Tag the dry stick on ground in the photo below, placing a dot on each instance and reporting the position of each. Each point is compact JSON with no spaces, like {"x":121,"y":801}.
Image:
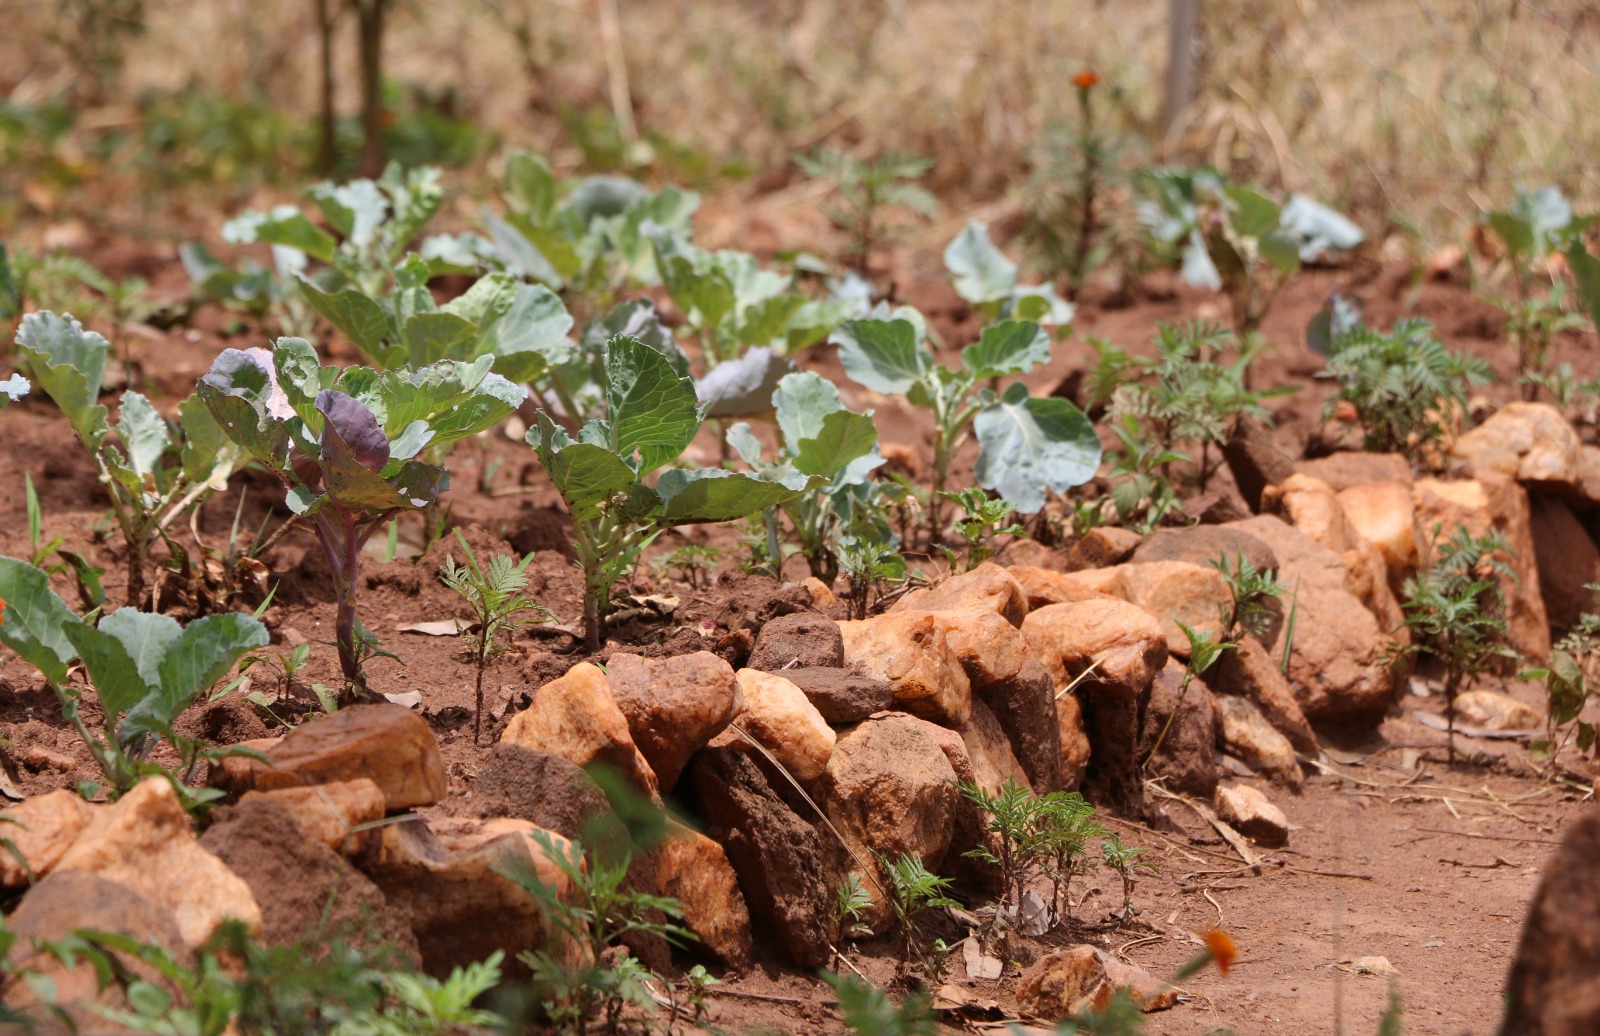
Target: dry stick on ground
{"x":1205,"y":813}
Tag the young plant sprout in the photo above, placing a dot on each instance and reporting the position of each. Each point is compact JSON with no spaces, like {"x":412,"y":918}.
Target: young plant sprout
{"x":342,"y":444}
{"x":984,"y":518}
{"x":494,"y":593}
{"x":1125,"y":861}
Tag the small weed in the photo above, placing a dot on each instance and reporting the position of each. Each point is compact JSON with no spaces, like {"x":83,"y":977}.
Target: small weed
{"x":1257,"y":597}
{"x":693,"y":563}
{"x":984,"y":518}
{"x":876,"y":195}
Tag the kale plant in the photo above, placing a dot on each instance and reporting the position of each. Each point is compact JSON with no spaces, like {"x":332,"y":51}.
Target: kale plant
{"x":1026,"y":444}
{"x":652,"y":414}
{"x":989,"y":282}
{"x":343,"y":443}
{"x":145,"y":669}
{"x":151,"y":474}
{"x":1538,"y":225}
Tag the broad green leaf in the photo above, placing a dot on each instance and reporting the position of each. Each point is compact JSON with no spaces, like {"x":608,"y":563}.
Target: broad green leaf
{"x":769,"y":320}
{"x":1280,"y":249}
{"x":1009,"y":347}
{"x":651,"y":409}
{"x":636,"y":318}
{"x":203,"y":654}
{"x":586,"y":475}
{"x":519,"y":255}
{"x":143,"y":432}
{"x":1027,"y":445}
{"x":361,"y":319}
{"x":10,"y":289}
{"x":208,"y":456}
{"x":284,"y":225}
{"x":530,"y":185}
{"x":981,"y":272}
{"x":111,"y":669}
{"x":455,"y":399}
{"x":145,"y":636}
{"x":604,"y":196}
{"x":35,"y":620}
{"x":1251,"y":213}
{"x":702,"y":291}
{"x":67,"y":363}
{"x":1586,"y":273}
{"x":843,"y":439}
{"x":486,"y":301}
{"x":802,"y":402}
{"x":1316,"y":228}
{"x":414,"y":197}
{"x":241,"y":391}
{"x":1041,"y":304}
{"x":745,"y":444}
{"x":719,"y":495}
{"x":431,"y":337}
{"x":1514,"y":231}
{"x":13,"y":389}
{"x":743,"y":386}
{"x":532,"y":336}
{"x":356,"y":209}
{"x":883,"y":355}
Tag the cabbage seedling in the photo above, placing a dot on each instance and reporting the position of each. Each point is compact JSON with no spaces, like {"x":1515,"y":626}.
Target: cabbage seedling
{"x":1026,"y":444}
{"x":651,"y":416}
{"x":343,"y":443}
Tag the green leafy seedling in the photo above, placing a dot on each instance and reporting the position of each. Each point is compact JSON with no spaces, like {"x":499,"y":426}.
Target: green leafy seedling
{"x":874,"y":196}
{"x":1124,"y":860}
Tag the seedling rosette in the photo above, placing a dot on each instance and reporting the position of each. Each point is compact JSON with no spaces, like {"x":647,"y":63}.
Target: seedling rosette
{"x":344,"y":443}
{"x":652,"y":414}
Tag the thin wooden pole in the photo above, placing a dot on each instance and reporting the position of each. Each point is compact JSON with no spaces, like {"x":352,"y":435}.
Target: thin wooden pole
{"x":1183,"y":27}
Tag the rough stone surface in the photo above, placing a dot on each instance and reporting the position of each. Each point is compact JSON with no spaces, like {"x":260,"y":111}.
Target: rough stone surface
{"x":301,"y":885}
{"x":329,"y":813}
{"x":1350,"y":468}
{"x":1495,"y":711}
{"x":1494,"y":502}
{"x":987,"y":587}
{"x":1567,"y":560}
{"x":1024,"y":706}
{"x":543,"y":789}
{"x":988,"y":647}
{"x":694,"y":870}
{"x":1530,"y":442}
{"x":1074,"y":739}
{"x":386,"y":743}
{"x":40,"y":830}
{"x":799,"y":640}
{"x":576,"y":718}
{"x":1127,"y":648}
{"x":1206,"y":545}
{"x":1255,"y":460}
{"x":777,"y":856}
{"x":1312,"y":507}
{"x":911,"y":652}
{"x":1385,"y":514}
{"x":1032,"y":553}
{"x":1042,"y":586}
{"x":1336,"y":666}
{"x":462,"y":909}
{"x":1247,"y":735}
{"x":993,"y":762}
{"x":143,"y":841}
{"x":1061,"y":983}
{"x":1252,"y":814}
{"x":1177,"y":592}
{"x":68,"y":900}
{"x":779,"y":716}
{"x":890,"y":789}
{"x":675,"y":705}
{"x":1554,"y":986}
{"x":1249,"y":672}
{"x":1187,"y":756}
{"x":1102,"y":547}
{"x":843,"y":696}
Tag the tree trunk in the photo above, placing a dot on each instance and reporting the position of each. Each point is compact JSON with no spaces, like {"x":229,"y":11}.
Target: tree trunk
{"x":373,"y":154}
{"x":325,"y":143}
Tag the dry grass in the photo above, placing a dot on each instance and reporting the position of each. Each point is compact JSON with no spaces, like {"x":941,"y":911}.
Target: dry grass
{"x":1422,"y":112}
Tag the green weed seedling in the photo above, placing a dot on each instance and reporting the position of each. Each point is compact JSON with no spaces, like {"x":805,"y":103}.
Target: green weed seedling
{"x":1538,"y":224}
{"x":868,"y":567}
{"x":494,"y":593}
{"x":823,"y":439}
{"x":1257,"y":598}
{"x":153,"y":471}
{"x":1035,"y":835}
{"x":875,"y":197}
{"x":868,"y":1011}
{"x":343,"y":444}
{"x":1566,"y":682}
{"x":914,"y":889}
{"x":1456,"y":612}
{"x":1124,"y":860}
{"x":1204,"y":650}
{"x":652,"y":414}
{"x":850,"y":902}
{"x":145,"y":670}
{"x":1142,"y":496}
{"x":983,"y":518}
{"x":1026,"y":445}
{"x":694,"y":564}
{"x":1404,"y":384}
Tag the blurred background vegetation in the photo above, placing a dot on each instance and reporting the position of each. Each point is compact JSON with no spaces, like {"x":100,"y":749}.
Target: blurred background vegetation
{"x":1412,"y":115}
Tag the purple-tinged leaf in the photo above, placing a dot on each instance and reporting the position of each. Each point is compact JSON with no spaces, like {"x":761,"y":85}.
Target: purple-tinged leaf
{"x":354,"y":424}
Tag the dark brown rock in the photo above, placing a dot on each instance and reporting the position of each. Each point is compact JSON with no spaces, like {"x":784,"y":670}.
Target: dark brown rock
{"x":1101,"y":548}
{"x":1204,"y":545}
{"x":1251,"y":673}
{"x":306,"y":891}
{"x":536,"y":786}
{"x":1567,"y":558}
{"x":1025,"y":706}
{"x":1554,"y":987}
{"x":1187,"y":756}
{"x":798,"y":640}
{"x":1255,"y":460}
{"x":777,"y":855}
{"x":842,"y":695}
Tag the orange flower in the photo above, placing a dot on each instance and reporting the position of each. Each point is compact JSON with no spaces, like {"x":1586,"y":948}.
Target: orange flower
{"x":1086,"y":79}
{"x":2,"y":611}
{"x":1223,"y":948}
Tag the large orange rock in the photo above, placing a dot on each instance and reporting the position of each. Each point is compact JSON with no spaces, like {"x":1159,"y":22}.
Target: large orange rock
{"x":780,"y":716}
{"x":576,"y":718}
{"x":674,"y":706}
{"x":911,"y":651}
{"x":987,"y":587}
{"x":40,"y":830}
{"x":330,"y":813}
